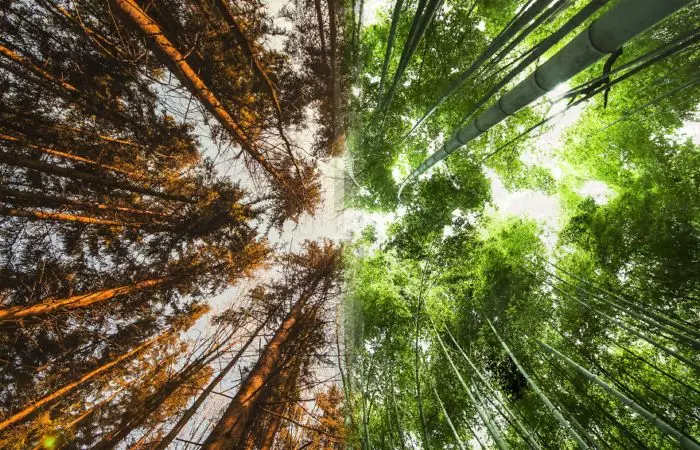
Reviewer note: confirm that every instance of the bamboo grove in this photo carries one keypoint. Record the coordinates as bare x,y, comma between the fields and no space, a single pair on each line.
530,275
148,151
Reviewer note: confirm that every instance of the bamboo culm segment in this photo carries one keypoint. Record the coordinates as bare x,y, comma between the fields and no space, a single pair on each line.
604,36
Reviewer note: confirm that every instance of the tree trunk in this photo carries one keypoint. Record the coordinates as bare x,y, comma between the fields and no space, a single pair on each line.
70,386
279,409
629,329
492,429
683,440
46,201
229,432
321,30
69,156
527,435
90,178
621,23
333,85
77,301
36,70
182,422
63,217
460,444
176,63
642,317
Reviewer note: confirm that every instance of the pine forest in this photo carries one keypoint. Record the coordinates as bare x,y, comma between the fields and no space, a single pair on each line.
349,224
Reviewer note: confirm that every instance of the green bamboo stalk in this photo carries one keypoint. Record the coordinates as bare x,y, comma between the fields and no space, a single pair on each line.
684,440
460,444
498,42
489,426
604,36
523,431
629,329
660,317
688,340
564,423
389,45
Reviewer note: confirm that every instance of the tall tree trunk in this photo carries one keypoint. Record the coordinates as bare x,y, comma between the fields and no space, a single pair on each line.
69,156
490,426
57,394
422,19
191,411
631,311
527,435
50,216
36,70
155,400
321,29
177,64
460,444
260,72
683,440
90,178
333,85
230,431
77,301
46,201
278,411
658,315
629,329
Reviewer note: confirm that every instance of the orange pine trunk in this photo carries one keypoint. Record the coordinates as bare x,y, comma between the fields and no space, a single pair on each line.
32,214
177,64
74,174
69,156
76,301
230,431
34,407
46,201
36,70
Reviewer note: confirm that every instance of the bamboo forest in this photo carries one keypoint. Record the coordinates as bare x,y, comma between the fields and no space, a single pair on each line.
349,224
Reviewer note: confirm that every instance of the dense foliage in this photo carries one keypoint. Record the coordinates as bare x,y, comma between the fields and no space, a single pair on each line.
455,307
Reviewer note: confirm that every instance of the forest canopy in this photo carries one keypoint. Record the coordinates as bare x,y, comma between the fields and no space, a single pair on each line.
364,224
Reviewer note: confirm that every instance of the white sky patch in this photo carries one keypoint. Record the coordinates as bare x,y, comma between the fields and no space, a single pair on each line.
530,204
371,9
481,26
689,130
543,149
597,190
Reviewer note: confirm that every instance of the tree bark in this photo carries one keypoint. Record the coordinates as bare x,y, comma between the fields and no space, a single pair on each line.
321,30
36,70
77,301
84,176
69,156
229,432
176,63
333,85
70,386
46,201
182,422
50,216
